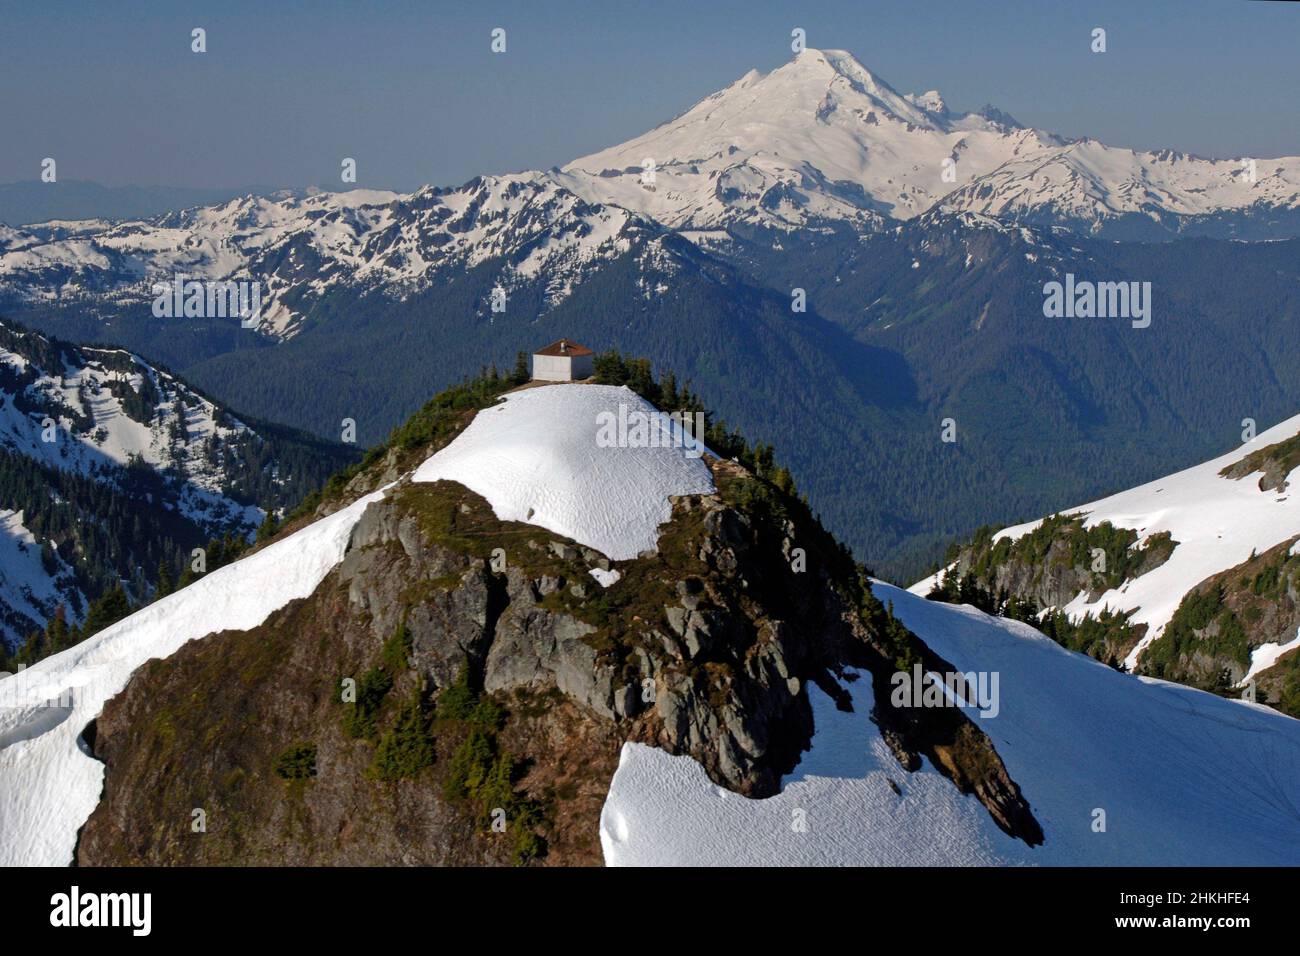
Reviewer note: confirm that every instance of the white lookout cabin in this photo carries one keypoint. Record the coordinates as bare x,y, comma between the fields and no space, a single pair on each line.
563,361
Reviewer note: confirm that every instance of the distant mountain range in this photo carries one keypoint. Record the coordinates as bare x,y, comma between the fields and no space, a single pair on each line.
33,201
919,239
822,140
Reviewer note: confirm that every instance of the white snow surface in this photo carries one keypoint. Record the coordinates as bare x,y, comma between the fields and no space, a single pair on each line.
535,458
1218,523
1184,777
605,578
49,785
1266,655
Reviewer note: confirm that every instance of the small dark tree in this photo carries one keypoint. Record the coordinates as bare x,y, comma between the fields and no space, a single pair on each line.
165,583
108,610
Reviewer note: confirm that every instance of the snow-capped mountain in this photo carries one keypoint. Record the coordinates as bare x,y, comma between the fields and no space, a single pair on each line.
91,436
49,784
822,140
642,657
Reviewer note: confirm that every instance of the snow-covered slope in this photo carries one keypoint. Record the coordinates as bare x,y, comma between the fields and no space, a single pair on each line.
118,464
536,458
1217,521
1183,777
91,411
48,783
34,580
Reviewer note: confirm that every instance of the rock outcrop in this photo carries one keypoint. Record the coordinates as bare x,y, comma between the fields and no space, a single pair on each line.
706,647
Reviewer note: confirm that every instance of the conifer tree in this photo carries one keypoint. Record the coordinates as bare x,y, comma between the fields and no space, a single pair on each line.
268,527
165,583
109,609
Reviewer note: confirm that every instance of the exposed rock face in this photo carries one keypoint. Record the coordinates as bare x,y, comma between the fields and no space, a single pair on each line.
1060,560
1210,640
704,648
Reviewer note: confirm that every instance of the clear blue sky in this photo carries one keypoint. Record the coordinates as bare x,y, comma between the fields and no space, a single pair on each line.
412,91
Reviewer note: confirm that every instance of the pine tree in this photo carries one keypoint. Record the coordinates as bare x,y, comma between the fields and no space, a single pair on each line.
406,748
108,610
521,374
668,390
58,636
268,527
165,583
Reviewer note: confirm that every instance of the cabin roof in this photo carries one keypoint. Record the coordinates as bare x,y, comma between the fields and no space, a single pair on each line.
564,347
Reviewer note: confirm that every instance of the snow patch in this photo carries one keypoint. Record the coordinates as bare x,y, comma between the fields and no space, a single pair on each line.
535,458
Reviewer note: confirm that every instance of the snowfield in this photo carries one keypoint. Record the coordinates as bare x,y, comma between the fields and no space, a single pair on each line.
1218,523
536,458
1184,778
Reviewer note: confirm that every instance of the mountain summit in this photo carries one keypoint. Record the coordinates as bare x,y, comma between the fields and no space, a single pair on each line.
818,138
823,139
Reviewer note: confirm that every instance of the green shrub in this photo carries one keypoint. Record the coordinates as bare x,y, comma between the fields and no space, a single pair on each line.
482,773
297,762
396,654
